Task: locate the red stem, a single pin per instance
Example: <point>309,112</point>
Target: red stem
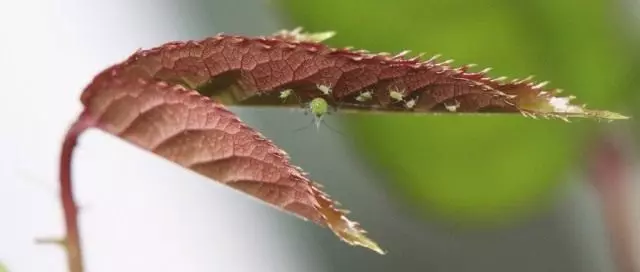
<point>617,219</point>
<point>72,237</point>
<point>608,167</point>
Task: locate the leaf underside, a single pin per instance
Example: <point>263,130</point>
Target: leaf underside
<point>170,100</point>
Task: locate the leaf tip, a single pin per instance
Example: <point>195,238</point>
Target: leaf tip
<point>357,237</point>
<point>609,115</point>
<point>348,231</point>
<point>352,234</point>
<point>547,105</point>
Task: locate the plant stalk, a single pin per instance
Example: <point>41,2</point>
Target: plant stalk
<point>72,241</point>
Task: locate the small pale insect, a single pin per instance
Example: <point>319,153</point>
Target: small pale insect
<point>326,90</point>
<point>364,96</point>
<point>452,108</point>
<point>410,104</point>
<point>319,108</point>
<point>285,94</point>
<point>396,95</point>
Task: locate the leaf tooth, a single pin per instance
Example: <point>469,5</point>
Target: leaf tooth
<point>296,30</point>
<point>500,79</point>
<point>540,85</point>
<point>486,70</point>
<point>446,62</point>
<point>526,79</point>
<point>297,168</point>
<point>417,57</point>
<point>433,58</point>
<point>296,35</point>
<point>237,39</point>
<point>466,67</point>
<point>345,211</point>
<point>401,54</point>
<point>320,36</point>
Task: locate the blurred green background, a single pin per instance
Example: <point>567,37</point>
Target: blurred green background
<point>471,169</point>
<point>515,186</point>
<point>456,193</point>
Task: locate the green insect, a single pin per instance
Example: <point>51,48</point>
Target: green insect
<point>319,108</point>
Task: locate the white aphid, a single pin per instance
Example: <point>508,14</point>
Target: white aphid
<point>326,90</point>
<point>454,107</point>
<point>396,95</point>
<point>364,96</point>
<point>410,104</point>
<point>285,94</point>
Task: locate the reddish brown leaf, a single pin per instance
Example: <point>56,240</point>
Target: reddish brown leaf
<point>254,70</point>
<point>169,100</point>
<point>192,130</point>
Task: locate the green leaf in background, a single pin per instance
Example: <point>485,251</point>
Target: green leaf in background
<point>3,268</point>
<point>472,168</point>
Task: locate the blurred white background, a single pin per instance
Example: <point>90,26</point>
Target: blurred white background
<point>138,212</point>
